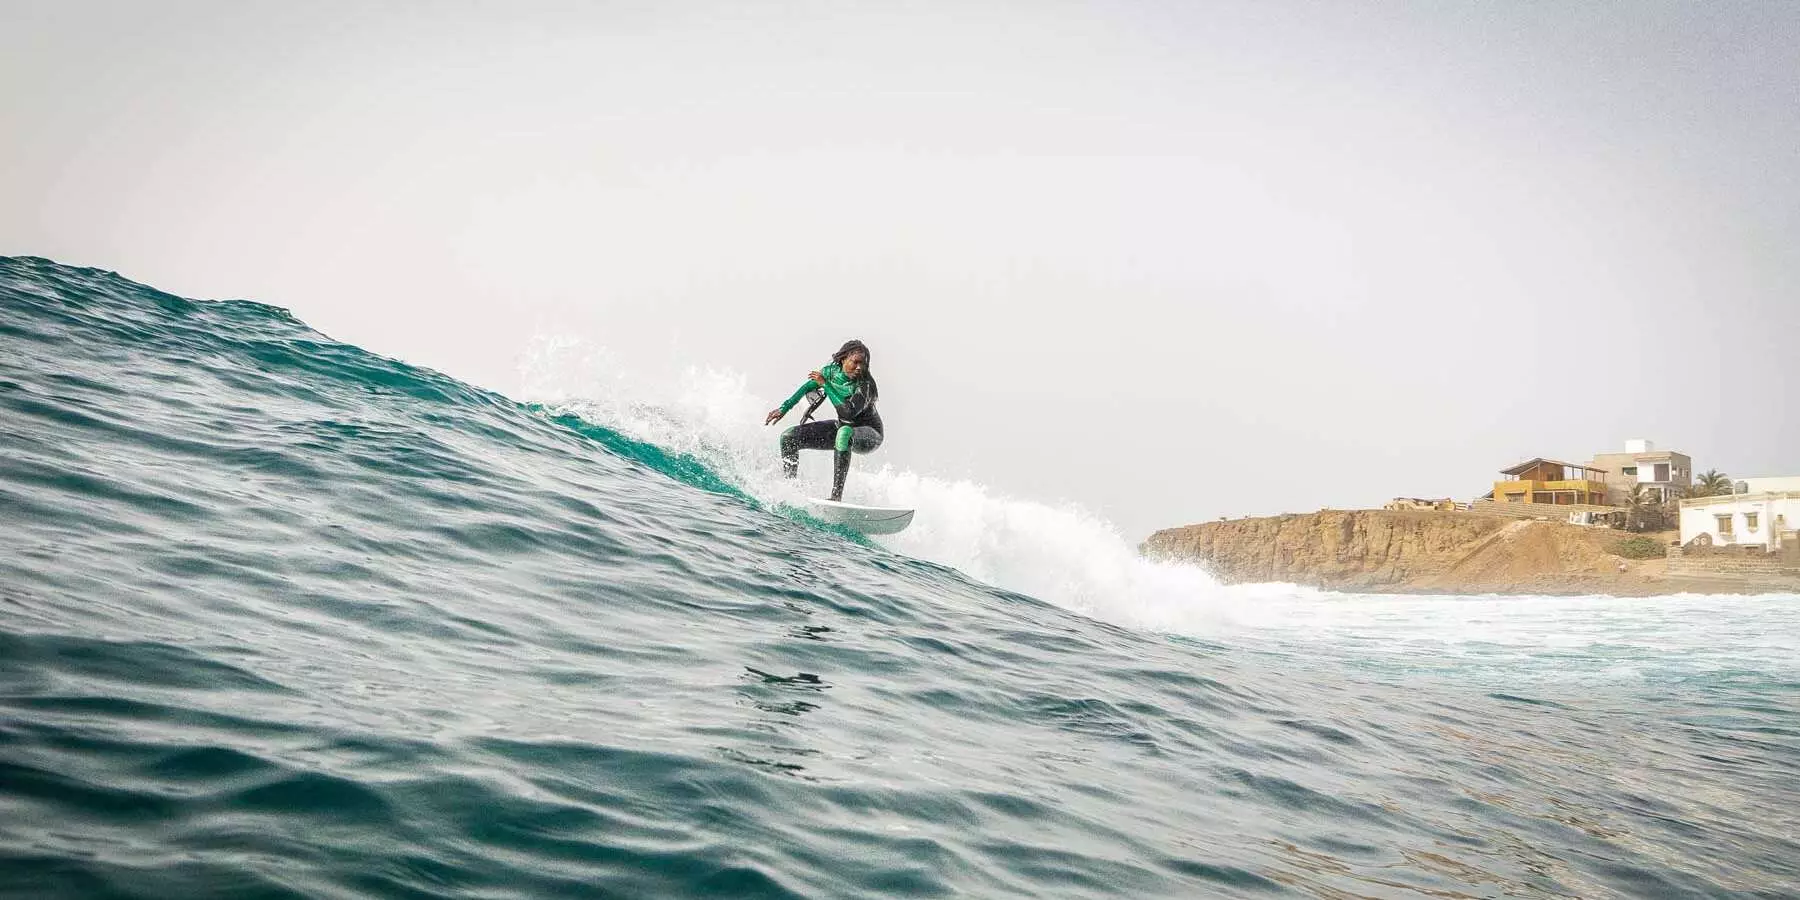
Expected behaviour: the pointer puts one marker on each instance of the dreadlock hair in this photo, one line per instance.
(867, 377)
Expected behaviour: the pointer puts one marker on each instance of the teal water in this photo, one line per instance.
(283, 618)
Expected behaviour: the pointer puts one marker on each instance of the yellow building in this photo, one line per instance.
(1552, 481)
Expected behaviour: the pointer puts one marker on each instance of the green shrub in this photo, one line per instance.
(1639, 547)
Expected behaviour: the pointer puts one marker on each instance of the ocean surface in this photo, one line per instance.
(280, 617)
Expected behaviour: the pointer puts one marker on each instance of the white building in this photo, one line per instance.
(1766, 515)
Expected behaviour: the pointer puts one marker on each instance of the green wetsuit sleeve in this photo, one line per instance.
(837, 387)
(805, 388)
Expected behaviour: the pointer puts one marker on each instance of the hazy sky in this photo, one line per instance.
(1170, 261)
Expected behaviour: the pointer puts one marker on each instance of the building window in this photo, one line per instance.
(1629, 470)
(1749, 521)
(1724, 523)
(1662, 472)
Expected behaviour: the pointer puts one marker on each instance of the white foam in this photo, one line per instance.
(1058, 553)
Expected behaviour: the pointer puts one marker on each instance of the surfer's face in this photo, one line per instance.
(854, 363)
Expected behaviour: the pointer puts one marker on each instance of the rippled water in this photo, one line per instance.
(279, 617)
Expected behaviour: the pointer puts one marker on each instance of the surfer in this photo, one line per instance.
(847, 383)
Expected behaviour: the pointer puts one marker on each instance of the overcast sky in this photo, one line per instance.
(1170, 261)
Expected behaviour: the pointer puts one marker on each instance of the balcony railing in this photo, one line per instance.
(1576, 492)
(1518, 487)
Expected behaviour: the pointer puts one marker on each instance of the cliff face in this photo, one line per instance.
(1411, 550)
(1330, 548)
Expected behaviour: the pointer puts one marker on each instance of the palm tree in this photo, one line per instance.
(1710, 483)
(1643, 510)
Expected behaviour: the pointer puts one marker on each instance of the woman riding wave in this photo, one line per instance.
(847, 383)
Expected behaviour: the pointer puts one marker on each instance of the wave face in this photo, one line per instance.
(283, 618)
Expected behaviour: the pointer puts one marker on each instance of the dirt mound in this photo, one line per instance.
(1526, 550)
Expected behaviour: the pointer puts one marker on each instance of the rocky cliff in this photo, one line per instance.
(1416, 551)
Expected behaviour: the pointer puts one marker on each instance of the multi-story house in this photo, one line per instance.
(1663, 473)
(1552, 481)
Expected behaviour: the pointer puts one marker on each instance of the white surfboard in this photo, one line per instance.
(866, 519)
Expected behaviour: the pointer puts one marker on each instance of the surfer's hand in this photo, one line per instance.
(816, 378)
(774, 416)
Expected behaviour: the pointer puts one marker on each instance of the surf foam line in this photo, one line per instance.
(1061, 554)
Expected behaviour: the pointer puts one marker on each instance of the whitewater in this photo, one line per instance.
(280, 617)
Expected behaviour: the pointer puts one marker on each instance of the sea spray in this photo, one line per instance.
(1056, 552)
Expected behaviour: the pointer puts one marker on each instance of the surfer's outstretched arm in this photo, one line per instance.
(815, 381)
(805, 388)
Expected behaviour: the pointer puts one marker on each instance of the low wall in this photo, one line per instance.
(1779, 570)
(1555, 511)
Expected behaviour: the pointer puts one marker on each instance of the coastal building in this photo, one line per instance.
(1403, 503)
(1552, 481)
(1663, 473)
(1765, 516)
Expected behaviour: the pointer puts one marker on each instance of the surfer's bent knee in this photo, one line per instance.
(865, 439)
